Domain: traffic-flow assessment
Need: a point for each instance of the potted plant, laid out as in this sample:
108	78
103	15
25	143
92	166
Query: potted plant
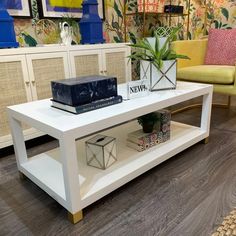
157	62
148	121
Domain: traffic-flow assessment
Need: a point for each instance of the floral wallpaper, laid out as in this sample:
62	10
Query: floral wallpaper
214	14
203	15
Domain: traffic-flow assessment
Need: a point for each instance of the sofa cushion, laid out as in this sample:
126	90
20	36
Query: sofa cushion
211	74
221	48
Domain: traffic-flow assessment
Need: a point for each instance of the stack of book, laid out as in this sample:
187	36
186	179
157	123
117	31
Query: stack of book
141	141
89	106
82	94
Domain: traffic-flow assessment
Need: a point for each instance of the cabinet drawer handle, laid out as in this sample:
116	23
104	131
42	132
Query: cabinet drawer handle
27	83
101	71
105	71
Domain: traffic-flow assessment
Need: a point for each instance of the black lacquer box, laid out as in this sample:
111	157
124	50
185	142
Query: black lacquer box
83	90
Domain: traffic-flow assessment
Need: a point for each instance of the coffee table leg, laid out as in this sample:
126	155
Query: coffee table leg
22	176
18	141
76	217
205	140
206	114
68	154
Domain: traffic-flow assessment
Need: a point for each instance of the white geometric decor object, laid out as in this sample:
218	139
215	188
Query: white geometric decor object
165	78
101	151
163	31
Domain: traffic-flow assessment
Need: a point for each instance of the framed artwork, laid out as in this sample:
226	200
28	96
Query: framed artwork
18	8
64	8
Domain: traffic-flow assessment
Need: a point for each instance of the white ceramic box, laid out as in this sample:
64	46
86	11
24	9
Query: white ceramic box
101	151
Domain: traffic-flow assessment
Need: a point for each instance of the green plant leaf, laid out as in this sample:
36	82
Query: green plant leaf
150	26
138	45
150	117
167	54
116	39
132	37
140	56
225	13
114	24
117	10
157	43
173	56
149	46
210	16
189	35
216	24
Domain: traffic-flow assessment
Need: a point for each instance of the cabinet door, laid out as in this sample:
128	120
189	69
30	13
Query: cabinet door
14	87
117	64
43	68
86	62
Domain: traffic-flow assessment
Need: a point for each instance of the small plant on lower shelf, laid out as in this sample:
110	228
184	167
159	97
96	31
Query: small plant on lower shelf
148	121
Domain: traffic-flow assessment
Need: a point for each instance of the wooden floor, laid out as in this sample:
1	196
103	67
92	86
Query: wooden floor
187	195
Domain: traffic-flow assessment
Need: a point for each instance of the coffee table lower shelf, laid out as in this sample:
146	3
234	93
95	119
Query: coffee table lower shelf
46	170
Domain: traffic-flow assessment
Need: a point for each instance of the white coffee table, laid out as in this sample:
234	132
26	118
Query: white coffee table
63	172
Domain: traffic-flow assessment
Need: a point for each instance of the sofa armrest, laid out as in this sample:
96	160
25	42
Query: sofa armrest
235	76
195	49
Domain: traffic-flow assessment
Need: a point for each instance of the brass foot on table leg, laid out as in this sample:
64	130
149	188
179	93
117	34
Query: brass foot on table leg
76	217
22	176
205	140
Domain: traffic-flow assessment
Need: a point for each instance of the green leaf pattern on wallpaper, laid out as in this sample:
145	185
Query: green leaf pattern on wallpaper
220	14
35	12
114	24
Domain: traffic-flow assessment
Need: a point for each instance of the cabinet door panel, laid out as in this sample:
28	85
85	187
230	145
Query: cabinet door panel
116	64
43	68
14	87
87	62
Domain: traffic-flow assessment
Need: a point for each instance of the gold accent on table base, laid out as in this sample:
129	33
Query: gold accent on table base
22	176
76	217
205	140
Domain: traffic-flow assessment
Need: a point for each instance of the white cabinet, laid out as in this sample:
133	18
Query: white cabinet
86	62
63	172
26	73
25	77
116	63
105	60
43	68
15	89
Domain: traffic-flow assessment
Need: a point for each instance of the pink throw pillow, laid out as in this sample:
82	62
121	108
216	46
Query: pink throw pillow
221	48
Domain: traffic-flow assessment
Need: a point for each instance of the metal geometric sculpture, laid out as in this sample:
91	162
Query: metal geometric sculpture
101	151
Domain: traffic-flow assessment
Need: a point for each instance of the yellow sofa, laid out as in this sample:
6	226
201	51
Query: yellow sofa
222	77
